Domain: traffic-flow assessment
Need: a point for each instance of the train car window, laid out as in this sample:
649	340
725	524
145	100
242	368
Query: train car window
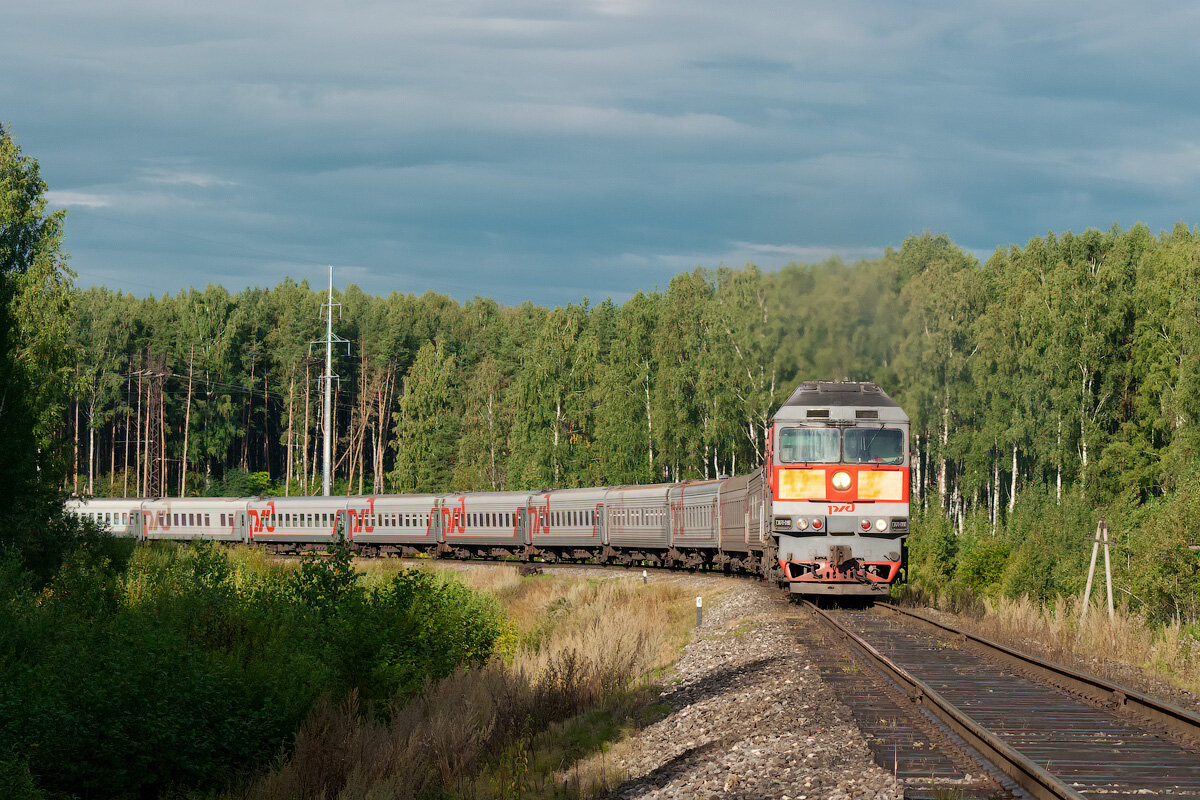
206	522
874	446
809	445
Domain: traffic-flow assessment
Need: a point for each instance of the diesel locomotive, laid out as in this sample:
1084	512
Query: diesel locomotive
826	515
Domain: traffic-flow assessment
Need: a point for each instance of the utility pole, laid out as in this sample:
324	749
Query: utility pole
326	470
1100	539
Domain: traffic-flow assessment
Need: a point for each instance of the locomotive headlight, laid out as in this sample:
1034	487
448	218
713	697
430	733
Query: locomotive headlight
881	524
841	481
801	524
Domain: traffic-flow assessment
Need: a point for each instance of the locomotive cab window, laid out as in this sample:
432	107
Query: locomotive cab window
874	446
809	445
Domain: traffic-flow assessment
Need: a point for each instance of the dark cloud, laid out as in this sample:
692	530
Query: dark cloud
552	150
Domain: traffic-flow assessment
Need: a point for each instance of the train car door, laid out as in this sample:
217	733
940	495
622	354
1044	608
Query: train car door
523	524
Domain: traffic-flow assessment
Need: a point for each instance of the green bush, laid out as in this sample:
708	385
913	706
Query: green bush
185	668
981	564
932	549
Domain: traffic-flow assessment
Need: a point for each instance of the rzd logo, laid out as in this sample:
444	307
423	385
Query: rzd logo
846	509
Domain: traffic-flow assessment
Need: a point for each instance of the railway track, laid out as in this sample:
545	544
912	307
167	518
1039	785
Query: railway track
953	714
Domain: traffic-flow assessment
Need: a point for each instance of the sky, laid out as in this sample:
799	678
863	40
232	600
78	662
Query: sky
551	151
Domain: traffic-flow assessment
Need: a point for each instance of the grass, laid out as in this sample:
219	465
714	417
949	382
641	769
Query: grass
573	674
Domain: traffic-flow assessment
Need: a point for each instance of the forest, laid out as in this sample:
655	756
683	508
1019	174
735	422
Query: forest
1049	384
1066	362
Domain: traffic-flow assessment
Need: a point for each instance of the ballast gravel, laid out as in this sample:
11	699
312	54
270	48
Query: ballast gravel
751	718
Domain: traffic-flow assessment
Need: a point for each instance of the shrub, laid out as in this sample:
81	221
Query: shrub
185	668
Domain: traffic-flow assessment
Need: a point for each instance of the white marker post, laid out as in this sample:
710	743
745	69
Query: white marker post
643	577
699	610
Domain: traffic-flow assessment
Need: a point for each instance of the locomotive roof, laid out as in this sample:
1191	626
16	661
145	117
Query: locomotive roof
840	400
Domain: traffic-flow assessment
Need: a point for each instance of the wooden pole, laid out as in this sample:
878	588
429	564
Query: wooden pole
1103	528
1087	590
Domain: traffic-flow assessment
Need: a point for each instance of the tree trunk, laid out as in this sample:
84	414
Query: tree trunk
1058	471
1012	492
304	450
187	424
246	424
266	426
75	482
649	427
112	455
287	480
125	466
916	469
995	492
91	448
554	449
942	454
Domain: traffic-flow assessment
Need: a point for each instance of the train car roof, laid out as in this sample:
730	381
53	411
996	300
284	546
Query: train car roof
815	401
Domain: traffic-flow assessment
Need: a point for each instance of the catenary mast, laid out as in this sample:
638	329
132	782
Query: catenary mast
325	469
329	340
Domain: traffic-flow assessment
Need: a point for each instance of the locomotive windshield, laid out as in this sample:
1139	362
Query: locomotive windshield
829	446
814	445
874	446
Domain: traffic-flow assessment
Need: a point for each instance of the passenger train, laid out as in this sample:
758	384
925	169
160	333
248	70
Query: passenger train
826	515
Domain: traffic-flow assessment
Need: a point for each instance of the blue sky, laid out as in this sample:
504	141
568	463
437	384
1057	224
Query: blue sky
555	150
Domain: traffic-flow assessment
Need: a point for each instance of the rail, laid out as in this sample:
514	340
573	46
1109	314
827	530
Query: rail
1179	722
1029	776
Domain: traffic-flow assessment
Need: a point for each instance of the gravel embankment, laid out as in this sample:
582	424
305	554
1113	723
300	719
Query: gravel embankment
750	718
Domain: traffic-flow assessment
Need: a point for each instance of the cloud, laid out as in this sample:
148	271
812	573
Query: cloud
539	148
179	178
67	199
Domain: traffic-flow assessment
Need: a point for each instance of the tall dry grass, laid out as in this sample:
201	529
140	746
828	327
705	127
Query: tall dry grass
575	646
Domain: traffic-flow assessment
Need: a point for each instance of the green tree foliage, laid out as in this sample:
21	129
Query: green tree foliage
427	424
34	365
